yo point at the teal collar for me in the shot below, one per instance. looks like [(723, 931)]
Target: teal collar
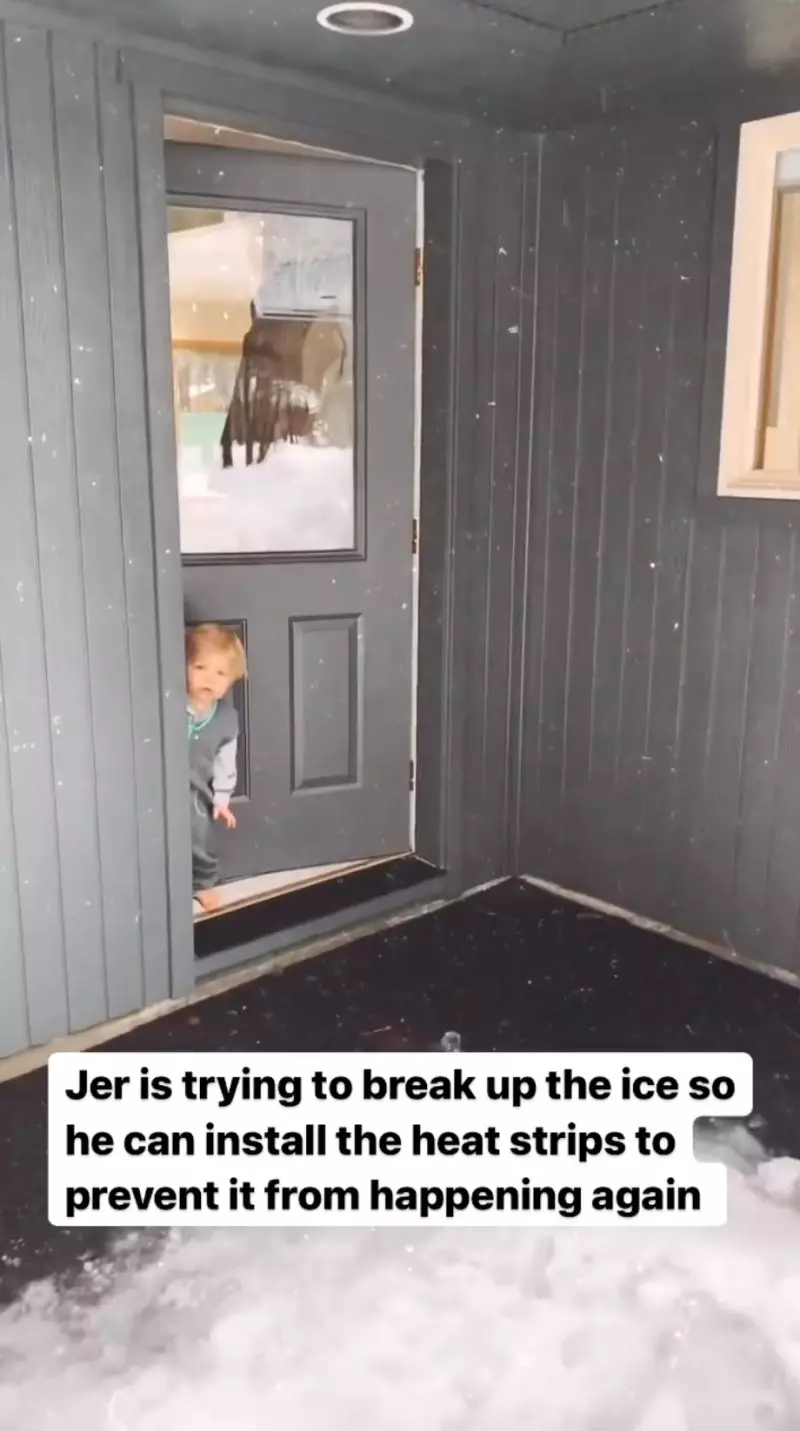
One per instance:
[(197, 723)]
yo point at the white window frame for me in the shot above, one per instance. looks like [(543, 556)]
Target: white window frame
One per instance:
[(750, 312)]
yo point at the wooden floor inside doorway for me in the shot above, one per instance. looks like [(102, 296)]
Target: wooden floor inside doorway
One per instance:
[(237, 893), (250, 923)]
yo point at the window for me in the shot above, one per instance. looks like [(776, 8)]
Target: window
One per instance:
[(760, 442), (261, 308)]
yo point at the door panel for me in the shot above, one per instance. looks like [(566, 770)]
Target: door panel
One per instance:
[(292, 301)]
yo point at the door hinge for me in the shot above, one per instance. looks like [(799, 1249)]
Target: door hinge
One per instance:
[(417, 267), (414, 537), (411, 776)]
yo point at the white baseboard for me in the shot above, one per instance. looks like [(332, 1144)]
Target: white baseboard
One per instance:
[(613, 911)]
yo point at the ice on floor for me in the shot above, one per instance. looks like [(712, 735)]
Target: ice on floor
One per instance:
[(562, 1330)]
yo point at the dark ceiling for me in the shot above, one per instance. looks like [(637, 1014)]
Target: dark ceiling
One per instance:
[(526, 63)]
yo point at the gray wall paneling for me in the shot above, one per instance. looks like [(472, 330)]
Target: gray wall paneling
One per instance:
[(31, 907), (84, 931), (117, 952), (33, 119), (119, 168), (660, 704), (500, 423)]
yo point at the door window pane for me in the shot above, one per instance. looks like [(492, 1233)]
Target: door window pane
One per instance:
[(261, 310)]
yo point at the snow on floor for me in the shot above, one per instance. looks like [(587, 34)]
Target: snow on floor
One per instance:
[(562, 1330)]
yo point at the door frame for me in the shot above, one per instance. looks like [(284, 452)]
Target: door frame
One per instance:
[(288, 110)]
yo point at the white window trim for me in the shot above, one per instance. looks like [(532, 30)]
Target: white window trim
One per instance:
[(749, 313)]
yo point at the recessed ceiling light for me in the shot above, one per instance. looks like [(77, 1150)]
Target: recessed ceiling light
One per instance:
[(365, 18)]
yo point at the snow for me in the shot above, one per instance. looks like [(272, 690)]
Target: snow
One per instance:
[(442, 1330), (300, 498)]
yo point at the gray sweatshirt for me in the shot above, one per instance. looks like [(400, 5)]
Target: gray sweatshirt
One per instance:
[(213, 748)]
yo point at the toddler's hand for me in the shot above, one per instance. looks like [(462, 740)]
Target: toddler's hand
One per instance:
[(226, 815)]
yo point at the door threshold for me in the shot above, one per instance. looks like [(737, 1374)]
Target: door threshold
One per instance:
[(236, 928), (274, 885)]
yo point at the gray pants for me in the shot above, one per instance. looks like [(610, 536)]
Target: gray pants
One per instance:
[(205, 864)]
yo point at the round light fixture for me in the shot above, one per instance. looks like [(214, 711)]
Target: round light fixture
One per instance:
[(363, 17)]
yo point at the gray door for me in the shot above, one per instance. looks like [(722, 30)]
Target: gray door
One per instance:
[(292, 298)]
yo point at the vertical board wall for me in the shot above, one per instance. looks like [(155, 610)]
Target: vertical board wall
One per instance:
[(83, 908), (660, 763), (503, 433)]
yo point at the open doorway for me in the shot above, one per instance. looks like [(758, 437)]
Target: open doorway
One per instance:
[(294, 306)]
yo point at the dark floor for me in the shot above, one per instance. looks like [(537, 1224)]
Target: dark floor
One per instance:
[(511, 969)]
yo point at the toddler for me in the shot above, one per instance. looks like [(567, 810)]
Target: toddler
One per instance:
[(215, 661)]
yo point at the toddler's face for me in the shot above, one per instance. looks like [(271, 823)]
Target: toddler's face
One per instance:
[(209, 677)]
